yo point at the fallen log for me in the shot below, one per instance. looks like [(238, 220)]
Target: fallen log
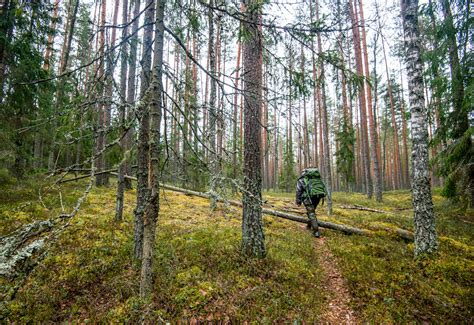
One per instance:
[(88, 175), (334, 226), (362, 208)]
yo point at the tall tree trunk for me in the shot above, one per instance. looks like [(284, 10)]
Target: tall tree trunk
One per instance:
[(426, 239), (64, 60), (460, 116), (374, 143), (5, 29), (397, 160), (123, 115), (253, 239), (362, 103), (153, 204), (306, 151), (144, 131), (401, 98), (234, 115), (108, 78), (100, 180), (131, 85), (324, 123), (49, 45), (315, 97), (213, 158)]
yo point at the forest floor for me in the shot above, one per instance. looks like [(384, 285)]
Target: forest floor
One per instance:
[(90, 274)]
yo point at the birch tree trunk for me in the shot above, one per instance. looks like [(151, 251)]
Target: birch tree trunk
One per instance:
[(426, 239), (253, 239)]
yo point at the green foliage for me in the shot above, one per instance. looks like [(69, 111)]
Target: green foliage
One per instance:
[(22, 107), (456, 163), (5, 177), (287, 179), (345, 157)]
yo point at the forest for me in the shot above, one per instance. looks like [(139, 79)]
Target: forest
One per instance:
[(263, 161)]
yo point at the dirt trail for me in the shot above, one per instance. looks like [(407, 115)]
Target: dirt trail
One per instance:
[(339, 310)]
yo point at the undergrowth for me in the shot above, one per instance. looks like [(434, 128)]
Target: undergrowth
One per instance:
[(90, 274), (387, 284), (199, 271)]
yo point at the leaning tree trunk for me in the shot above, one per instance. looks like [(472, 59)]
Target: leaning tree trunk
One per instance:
[(253, 239), (153, 204), (143, 132), (426, 239)]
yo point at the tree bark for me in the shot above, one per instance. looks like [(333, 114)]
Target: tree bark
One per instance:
[(213, 159), (131, 83), (123, 116), (460, 116), (362, 103), (374, 143), (235, 111), (64, 60), (49, 45), (153, 204), (397, 160), (253, 239), (143, 132), (426, 238), (101, 179), (324, 123)]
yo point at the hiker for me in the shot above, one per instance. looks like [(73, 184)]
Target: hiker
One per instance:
[(310, 189)]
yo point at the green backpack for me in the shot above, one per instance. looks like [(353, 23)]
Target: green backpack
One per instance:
[(314, 186)]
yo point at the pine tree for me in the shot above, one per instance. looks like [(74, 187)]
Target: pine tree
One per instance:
[(253, 239)]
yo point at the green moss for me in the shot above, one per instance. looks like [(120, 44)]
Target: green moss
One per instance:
[(199, 270)]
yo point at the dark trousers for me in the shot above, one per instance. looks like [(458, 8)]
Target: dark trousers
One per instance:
[(310, 205)]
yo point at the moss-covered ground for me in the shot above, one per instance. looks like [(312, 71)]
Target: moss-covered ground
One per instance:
[(90, 274)]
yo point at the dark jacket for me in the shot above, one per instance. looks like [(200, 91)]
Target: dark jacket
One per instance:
[(300, 188)]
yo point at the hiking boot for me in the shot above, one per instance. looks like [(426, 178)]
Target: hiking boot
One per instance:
[(316, 234)]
